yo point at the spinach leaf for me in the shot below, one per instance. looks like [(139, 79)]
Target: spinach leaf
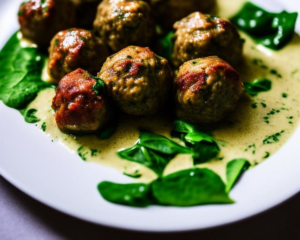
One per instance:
[(108, 131), (273, 30), (192, 133), (166, 44), (147, 157), (153, 151), (20, 73), (29, 116), (257, 86), (205, 151), (234, 170), (161, 144), (203, 145), (135, 194), (190, 187)]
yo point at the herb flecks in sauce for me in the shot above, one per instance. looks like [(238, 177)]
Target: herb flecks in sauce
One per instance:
[(273, 138), (273, 30)]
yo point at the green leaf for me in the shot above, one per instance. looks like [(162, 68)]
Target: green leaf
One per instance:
[(161, 144), (257, 86), (99, 87), (273, 30), (166, 44), (107, 132), (136, 194), (203, 145), (189, 188), (205, 151), (30, 117), (20, 73), (153, 151), (193, 134), (147, 157), (234, 170)]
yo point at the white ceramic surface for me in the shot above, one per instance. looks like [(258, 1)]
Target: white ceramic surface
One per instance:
[(50, 173)]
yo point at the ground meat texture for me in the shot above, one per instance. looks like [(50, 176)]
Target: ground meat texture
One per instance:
[(138, 81), (75, 48), (79, 104), (125, 22), (207, 89), (167, 12), (200, 35), (40, 20)]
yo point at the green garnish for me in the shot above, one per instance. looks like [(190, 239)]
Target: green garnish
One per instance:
[(257, 86)]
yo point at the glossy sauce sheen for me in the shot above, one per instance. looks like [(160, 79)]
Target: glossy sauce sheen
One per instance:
[(246, 133)]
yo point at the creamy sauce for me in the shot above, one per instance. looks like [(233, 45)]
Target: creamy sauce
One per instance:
[(246, 133)]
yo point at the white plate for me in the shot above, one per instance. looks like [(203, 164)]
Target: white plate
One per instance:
[(58, 178)]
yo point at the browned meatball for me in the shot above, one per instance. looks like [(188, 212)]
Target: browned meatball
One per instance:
[(40, 20), (80, 105), (200, 35), (75, 48), (167, 12), (206, 90), (138, 80), (124, 22)]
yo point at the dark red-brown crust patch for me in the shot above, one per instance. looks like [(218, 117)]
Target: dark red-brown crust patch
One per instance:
[(191, 80)]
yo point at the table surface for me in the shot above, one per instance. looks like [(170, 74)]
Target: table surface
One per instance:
[(24, 218)]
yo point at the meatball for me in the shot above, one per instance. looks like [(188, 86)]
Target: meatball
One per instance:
[(40, 20), (138, 81), (167, 12), (80, 104), (200, 35), (124, 22), (206, 90), (75, 48), (86, 12)]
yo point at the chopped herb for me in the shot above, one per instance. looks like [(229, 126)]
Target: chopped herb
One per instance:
[(263, 105), (94, 152), (30, 117), (56, 42), (254, 105), (284, 95), (257, 86), (273, 138), (44, 127), (136, 174), (83, 38), (82, 152), (266, 155), (274, 72), (99, 87)]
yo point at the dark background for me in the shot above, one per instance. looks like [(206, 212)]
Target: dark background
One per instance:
[(21, 217)]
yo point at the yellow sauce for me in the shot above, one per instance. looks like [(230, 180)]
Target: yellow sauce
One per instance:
[(241, 135)]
